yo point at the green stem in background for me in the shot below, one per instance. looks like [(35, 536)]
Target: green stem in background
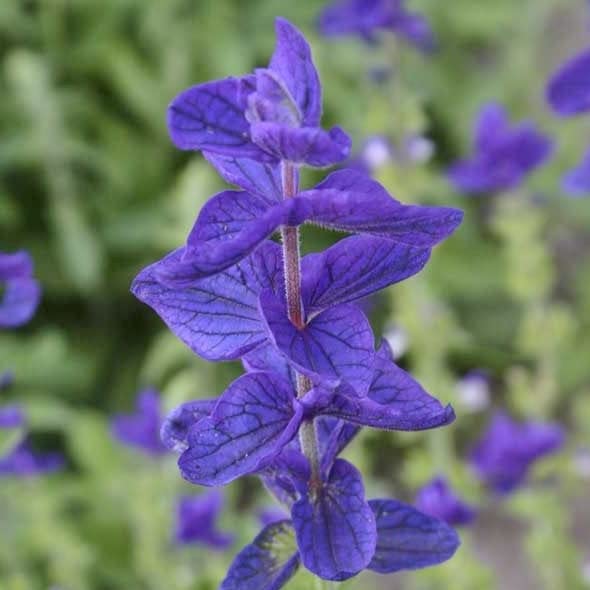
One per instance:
[(292, 268)]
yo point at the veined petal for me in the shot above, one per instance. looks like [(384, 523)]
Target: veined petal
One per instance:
[(266, 358), (335, 345), (293, 63), (253, 420), (408, 539), (302, 145), (396, 389), (366, 412), (333, 436), (355, 267), (267, 563), (230, 226), (176, 426), (335, 526), (217, 317), (259, 178), (211, 117), (349, 201)]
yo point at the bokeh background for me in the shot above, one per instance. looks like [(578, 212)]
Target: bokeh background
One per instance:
[(92, 187)]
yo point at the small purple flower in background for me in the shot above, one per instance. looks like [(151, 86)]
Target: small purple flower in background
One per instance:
[(473, 391), (142, 429), (568, 90), (576, 182), (438, 499), (23, 461), (418, 149), (11, 417), (196, 521), (6, 380), (506, 451), (367, 18), (21, 291), (504, 155)]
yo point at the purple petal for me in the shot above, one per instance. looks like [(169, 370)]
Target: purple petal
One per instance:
[(408, 539), (504, 454), (211, 117), (196, 519), (437, 499), (293, 63), (336, 344), (350, 201), (333, 436), (22, 461), (335, 526), (11, 416), (176, 426), (394, 388), (472, 176), (415, 29), (568, 91), (362, 17), (267, 358), (344, 405), (230, 226), (260, 179), (142, 429), (268, 563), (355, 267), (302, 145), (18, 265), (217, 317), (491, 126), (577, 181), (254, 419), (19, 302), (286, 476)]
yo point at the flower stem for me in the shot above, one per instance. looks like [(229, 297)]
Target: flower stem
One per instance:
[(292, 270)]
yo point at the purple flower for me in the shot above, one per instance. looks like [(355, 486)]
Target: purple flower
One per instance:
[(504, 454), (366, 18), (577, 181), (313, 377), (23, 461), (333, 530), (21, 291), (11, 417), (271, 115), (504, 155), (568, 91), (196, 518), (142, 429), (437, 499)]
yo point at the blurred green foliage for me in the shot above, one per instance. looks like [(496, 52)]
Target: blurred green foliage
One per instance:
[(90, 184)]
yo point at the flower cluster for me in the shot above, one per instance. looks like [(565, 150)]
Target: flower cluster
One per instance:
[(313, 377)]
